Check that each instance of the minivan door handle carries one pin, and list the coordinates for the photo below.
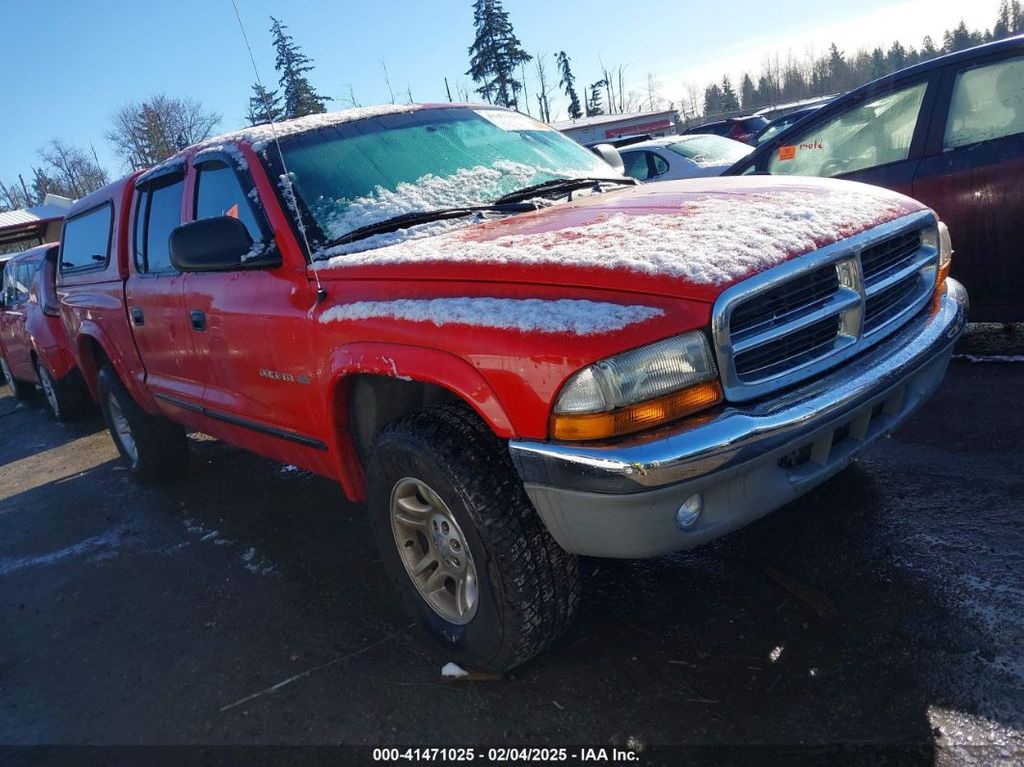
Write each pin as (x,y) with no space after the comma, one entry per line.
(198,319)
(137,316)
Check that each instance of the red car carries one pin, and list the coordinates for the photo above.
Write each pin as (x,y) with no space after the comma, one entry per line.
(948,132)
(514,355)
(34,348)
(737,128)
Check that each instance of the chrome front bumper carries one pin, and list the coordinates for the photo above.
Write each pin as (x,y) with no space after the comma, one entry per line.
(620,500)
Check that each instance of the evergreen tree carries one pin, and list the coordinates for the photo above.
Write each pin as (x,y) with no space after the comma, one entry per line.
(1003,25)
(748,93)
(712,100)
(878,68)
(568,82)
(300,98)
(495,55)
(1016,17)
(896,58)
(264,106)
(729,101)
(594,103)
(838,69)
(928,49)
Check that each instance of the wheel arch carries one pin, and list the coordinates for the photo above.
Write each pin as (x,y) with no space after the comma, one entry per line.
(371,385)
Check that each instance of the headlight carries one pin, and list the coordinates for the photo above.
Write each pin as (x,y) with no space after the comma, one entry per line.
(938,237)
(638,389)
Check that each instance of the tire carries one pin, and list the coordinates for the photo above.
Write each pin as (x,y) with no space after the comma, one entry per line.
(154,448)
(443,463)
(66,396)
(19,389)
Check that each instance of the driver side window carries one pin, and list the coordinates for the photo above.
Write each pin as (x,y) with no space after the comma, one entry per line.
(875,132)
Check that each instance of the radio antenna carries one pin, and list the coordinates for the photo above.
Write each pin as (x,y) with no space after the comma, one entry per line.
(293,200)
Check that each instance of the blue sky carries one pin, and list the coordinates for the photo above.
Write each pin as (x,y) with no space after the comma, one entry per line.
(76,63)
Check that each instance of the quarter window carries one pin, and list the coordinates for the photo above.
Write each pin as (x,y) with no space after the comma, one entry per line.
(159,213)
(86,240)
(643,165)
(874,133)
(219,193)
(987,103)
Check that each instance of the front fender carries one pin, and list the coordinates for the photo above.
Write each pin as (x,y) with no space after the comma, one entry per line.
(132,375)
(410,363)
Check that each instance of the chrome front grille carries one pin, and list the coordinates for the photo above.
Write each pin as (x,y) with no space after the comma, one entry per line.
(809,314)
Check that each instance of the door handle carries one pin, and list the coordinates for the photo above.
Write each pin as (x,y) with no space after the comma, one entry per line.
(137,316)
(198,319)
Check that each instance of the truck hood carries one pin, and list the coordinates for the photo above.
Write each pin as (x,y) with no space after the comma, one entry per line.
(685,239)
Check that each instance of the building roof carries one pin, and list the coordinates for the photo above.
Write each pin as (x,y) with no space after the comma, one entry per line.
(586,122)
(28,223)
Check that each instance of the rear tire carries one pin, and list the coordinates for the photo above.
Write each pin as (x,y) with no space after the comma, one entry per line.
(66,396)
(444,502)
(154,448)
(19,389)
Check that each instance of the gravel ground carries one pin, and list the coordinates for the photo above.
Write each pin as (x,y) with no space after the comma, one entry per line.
(887,607)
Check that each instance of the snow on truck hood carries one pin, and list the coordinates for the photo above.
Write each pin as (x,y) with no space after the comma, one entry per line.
(688,238)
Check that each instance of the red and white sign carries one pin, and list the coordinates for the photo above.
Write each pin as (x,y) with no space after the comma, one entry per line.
(642,128)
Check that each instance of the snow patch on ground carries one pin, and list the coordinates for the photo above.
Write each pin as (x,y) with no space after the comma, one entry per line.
(989,357)
(102,546)
(453,671)
(713,240)
(525,315)
(257,564)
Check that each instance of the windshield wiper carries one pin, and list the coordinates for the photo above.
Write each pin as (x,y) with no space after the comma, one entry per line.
(562,185)
(405,220)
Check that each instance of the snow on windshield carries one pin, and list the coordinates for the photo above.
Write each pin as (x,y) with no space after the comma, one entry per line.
(478,185)
(527,315)
(713,240)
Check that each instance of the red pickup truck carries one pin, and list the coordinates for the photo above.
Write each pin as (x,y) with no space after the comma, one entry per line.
(513,354)
(34,347)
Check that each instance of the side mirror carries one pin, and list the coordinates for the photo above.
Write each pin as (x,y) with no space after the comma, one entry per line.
(217,245)
(610,155)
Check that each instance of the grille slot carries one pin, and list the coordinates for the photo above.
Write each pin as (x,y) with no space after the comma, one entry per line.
(889,256)
(803,293)
(813,312)
(886,304)
(794,348)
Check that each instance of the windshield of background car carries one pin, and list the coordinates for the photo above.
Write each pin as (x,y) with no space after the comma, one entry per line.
(707,149)
(356,174)
(876,132)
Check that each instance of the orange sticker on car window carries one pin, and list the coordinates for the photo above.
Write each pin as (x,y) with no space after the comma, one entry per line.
(787,152)
(232,211)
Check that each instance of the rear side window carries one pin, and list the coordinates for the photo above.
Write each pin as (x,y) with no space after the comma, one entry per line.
(86,240)
(987,103)
(219,193)
(158,214)
(643,165)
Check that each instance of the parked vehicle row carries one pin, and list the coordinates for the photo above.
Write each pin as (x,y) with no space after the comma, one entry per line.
(680,157)
(513,354)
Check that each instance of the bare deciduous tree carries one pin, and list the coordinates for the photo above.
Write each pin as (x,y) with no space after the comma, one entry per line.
(66,170)
(544,88)
(149,132)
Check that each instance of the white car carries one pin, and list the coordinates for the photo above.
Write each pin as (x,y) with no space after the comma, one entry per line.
(676,157)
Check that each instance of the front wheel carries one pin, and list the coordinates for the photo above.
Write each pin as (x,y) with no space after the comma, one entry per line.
(154,448)
(461,542)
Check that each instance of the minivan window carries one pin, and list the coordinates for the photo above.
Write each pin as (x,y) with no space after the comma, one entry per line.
(86,239)
(219,193)
(987,103)
(873,133)
(160,209)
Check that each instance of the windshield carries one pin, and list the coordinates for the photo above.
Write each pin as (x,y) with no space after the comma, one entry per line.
(708,149)
(352,175)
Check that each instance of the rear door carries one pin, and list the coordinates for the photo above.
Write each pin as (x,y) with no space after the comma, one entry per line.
(878,139)
(156,308)
(973,177)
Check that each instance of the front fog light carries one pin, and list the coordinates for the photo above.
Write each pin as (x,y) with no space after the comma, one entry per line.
(689,512)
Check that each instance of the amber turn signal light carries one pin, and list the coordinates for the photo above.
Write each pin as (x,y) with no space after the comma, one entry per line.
(642,415)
